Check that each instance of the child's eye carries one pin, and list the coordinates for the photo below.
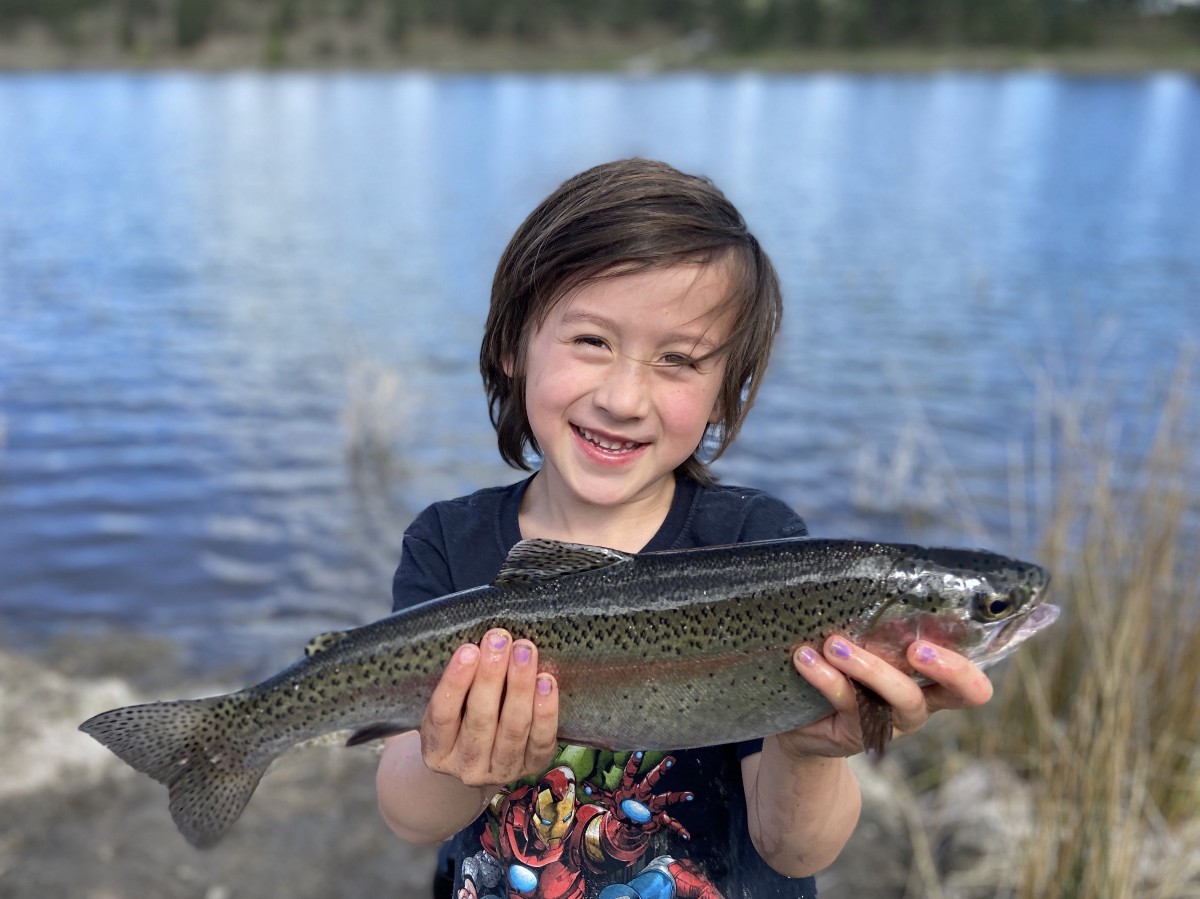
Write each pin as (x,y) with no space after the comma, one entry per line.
(589,340)
(677,360)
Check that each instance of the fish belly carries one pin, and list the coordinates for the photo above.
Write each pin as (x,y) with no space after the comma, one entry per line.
(704,702)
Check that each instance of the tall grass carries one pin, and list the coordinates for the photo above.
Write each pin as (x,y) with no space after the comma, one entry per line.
(1103,712)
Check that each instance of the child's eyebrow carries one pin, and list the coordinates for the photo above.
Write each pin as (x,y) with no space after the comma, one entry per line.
(698,340)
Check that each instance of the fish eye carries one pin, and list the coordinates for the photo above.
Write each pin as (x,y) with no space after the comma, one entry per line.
(992,606)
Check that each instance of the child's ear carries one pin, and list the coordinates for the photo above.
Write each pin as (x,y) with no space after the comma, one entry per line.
(506,365)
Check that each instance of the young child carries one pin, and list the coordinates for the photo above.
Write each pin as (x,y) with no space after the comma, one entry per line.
(632,316)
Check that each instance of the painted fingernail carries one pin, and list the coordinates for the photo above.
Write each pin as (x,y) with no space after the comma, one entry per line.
(807,657)
(927,654)
(497,641)
(522,653)
(468,654)
(544,685)
(841,649)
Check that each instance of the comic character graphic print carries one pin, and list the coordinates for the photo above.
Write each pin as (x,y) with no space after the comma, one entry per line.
(579,826)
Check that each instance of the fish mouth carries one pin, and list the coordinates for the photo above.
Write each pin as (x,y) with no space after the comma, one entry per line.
(1021,629)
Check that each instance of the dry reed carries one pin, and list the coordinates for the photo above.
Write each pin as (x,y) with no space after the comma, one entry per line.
(1103,713)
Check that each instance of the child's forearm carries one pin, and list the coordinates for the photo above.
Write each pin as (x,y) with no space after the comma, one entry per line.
(801,810)
(419,805)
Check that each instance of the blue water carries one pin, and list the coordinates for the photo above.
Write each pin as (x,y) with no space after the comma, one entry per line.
(239,313)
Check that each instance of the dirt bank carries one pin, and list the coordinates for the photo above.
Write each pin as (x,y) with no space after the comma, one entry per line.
(75,822)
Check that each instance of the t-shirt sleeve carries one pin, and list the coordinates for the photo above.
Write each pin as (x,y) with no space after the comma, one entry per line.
(424,572)
(768,518)
(721,515)
(748,747)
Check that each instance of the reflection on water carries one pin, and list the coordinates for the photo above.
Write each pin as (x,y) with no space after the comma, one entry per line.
(241,312)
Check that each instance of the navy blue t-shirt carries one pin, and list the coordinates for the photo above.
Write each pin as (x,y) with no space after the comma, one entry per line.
(597,824)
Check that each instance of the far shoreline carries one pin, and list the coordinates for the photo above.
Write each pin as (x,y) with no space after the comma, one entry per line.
(648,61)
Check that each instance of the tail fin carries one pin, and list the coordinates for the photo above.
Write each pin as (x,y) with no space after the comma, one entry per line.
(185,745)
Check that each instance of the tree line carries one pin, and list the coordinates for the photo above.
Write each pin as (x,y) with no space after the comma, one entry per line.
(735,26)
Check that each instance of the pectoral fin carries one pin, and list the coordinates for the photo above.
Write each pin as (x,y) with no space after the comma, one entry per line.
(874,720)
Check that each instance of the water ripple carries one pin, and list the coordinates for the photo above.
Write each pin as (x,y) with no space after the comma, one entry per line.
(237,349)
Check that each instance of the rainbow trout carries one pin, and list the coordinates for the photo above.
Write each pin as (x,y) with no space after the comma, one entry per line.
(667,650)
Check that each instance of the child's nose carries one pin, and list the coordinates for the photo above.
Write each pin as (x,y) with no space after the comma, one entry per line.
(622,391)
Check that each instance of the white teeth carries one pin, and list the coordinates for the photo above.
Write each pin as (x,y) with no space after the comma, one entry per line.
(610,445)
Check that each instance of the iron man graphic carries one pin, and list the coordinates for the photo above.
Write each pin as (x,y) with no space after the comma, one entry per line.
(551,840)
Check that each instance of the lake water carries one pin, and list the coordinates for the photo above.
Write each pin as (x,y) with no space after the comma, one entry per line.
(239,314)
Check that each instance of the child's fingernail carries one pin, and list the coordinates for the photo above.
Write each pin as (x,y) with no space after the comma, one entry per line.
(544,685)
(497,640)
(807,657)
(926,654)
(841,649)
(468,654)
(522,653)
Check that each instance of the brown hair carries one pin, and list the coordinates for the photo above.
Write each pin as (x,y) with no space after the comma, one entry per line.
(617,218)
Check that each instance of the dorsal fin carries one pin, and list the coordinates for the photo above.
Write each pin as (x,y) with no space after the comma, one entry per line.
(322,642)
(542,560)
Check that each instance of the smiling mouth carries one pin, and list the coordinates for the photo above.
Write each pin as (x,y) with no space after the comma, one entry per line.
(607,444)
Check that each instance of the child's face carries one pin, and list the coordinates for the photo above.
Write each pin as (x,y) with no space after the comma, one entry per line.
(611,393)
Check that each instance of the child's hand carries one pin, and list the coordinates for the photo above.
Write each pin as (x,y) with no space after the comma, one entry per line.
(957,684)
(492,719)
